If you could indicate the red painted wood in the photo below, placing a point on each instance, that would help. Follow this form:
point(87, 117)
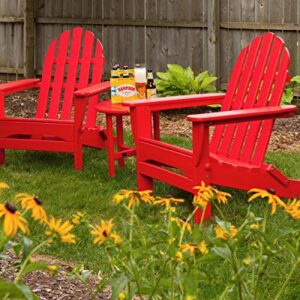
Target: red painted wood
point(73, 65)
point(46, 81)
point(235, 155)
point(76, 55)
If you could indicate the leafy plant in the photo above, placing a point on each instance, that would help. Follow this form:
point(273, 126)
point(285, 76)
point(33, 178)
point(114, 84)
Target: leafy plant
point(182, 81)
point(290, 89)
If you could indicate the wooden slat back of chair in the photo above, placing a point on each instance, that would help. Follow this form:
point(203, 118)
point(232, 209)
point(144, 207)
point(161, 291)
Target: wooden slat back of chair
point(258, 79)
point(73, 61)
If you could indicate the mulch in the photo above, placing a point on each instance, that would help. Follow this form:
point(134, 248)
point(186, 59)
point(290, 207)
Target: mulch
point(285, 136)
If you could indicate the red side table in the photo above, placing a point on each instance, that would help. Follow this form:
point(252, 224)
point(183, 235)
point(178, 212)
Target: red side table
point(118, 111)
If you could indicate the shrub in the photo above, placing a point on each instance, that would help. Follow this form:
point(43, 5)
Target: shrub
point(182, 81)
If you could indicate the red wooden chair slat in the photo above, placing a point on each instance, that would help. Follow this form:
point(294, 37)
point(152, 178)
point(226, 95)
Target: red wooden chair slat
point(233, 83)
point(46, 81)
point(96, 77)
point(238, 100)
point(59, 74)
point(72, 73)
point(257, 78)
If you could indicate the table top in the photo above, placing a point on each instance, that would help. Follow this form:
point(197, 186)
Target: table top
point(112, 108)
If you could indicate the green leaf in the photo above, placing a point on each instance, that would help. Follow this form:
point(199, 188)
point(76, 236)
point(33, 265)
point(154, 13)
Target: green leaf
point(27, 247)
point(15, 291)
point(287, 96)
point(223, 252)
point(196, 234)
point(164, 76)
point(207, 81)
point(200, 77)
point(118, 284)
point(33, 266)
point(296, 79)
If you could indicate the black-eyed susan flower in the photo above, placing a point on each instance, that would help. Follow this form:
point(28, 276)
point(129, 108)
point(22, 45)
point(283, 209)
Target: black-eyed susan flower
point(203, 195)
point(293, 208)
point(168, 202)
point(182, 224)
point(224, 234)
point(222, 197)
point(103, 232)
point(61, 230)
point(190, 297)
point(12, 220)
point(77, 218)
point(33, 203)
point(192, 248)
point(270, 195)
point(133, 197)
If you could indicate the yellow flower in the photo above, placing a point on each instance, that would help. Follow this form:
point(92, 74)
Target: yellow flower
point(270, 195)
point(202, 247)
point(247, 261)
point(34, 204)
point(222, 197)
point(52, 269)
point(254, 226)
point(13, 220)
point(103, 231)
point(224, 234)
point(122, 296)
point(189, 297)
point(182, 224)
point(60, 229)
point(293, 208)
point(179, 256)
point(77, 218)
point(191, 248)
point(134, 197)
point(204, 195)
point(167, 202)
point(3, 186)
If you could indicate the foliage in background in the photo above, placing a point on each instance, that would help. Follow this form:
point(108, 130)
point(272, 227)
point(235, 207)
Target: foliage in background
point(182, 81)
point(290, 89)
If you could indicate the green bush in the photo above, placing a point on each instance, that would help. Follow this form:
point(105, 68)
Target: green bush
point(182, 81)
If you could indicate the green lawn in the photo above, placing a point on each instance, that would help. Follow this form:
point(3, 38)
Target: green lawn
point(65, 191)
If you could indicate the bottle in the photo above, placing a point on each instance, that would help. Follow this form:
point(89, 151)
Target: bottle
point(125, 72)
point(114, 72)
point(150, 87)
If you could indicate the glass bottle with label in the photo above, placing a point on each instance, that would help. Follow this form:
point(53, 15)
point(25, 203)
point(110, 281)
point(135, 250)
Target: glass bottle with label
point(150, 87)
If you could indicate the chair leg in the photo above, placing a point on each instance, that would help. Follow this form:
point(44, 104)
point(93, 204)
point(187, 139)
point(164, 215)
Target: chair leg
point(144, 182)
point(110, 146)
point(2, 156)
point(202, 215)
point(120, 139)
point(78, 158)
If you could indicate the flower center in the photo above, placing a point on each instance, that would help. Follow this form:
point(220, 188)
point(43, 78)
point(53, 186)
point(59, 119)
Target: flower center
point(38, 201)
point(11, 208)
point(105, 233)
point(271, 191)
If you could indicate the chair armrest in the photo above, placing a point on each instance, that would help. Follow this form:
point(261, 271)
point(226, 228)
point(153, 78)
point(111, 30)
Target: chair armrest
point(93, 90)
point(17, 86)
point(158, 104)
point(244, 115)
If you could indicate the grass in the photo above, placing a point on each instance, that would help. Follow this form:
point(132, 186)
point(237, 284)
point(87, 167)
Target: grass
point(65, 191)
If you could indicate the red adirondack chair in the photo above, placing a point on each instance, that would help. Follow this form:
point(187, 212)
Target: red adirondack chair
point(234, 157)
point(74, 61)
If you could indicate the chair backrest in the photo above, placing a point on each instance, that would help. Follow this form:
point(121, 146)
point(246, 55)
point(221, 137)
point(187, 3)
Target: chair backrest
point(73, 61)
point(258, 79)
